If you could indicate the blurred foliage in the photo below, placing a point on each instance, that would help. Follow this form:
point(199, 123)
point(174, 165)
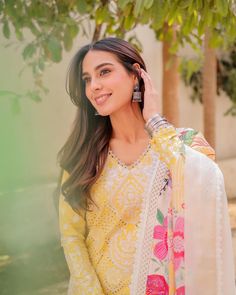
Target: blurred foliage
point(226, 77)
point(54, 24)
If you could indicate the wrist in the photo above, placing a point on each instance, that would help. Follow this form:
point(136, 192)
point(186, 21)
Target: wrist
point(150, 114)
point(154, 123)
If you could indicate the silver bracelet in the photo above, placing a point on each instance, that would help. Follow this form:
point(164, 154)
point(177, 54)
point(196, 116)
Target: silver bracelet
point(154, 123)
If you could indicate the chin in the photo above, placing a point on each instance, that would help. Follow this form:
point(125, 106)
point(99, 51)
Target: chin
point(104, 113)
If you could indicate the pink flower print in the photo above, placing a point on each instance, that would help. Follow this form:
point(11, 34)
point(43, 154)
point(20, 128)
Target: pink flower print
point(180, 291)
point(170, 211)
point(160, 233)
point(156, 285)
point(178, 242)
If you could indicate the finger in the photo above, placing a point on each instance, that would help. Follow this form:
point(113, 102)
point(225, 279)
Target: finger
point(147, 79)
point(145, 75)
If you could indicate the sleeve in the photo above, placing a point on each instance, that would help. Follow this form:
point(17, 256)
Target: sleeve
point(83, 278)
point(166, 142)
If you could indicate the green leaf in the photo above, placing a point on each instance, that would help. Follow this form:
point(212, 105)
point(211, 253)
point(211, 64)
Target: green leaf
point(199, 4)
point(215, 40)
point(184, 4)
point(102, 15)
point(19, 34)
point(81, 6)
point(34, 29)
point(208, 17)
point(222, 7)
point(129, 22)
point(145, 19)
point(231, 111)
point(53, 49)
point(34, 95)
point(159, 216)
point(41, 63)
point(127, 11)
point(191, 66)
point(69, 34)
point(135, 42)
point(74, 30)
point(138, 8)
point(201, 28)
point(29, 51)
point(191, 8)
point(148, 4)
point(6, 30)
point(123, 3)
point(158, 15)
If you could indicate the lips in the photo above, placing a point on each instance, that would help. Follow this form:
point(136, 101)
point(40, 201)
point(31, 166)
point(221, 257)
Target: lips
point(100, 99)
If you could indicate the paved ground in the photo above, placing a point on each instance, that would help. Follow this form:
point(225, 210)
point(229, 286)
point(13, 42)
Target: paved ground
point(40, 271)
point(56, 289)
point(232, 214)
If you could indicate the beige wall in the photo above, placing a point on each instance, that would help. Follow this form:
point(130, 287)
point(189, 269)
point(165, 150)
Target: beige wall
point(41, 128)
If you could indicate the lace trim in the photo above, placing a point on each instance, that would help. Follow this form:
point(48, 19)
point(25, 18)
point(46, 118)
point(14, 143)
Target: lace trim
point(219, 234)
point(145, 231)
point(135, 163)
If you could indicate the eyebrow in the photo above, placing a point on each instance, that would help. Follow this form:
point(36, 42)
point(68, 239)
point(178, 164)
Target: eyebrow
point(98, 67)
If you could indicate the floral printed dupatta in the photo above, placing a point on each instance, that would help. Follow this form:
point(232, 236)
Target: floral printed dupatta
point(184, 240)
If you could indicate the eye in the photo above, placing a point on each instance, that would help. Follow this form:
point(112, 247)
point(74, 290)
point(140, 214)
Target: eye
point(86, 80)
point(104, 72)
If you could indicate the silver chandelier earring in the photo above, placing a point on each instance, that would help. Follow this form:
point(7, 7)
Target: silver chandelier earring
point(96, 113)
point(137, 95)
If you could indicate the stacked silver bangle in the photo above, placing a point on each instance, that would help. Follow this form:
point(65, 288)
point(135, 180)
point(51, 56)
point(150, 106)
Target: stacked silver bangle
point(154, 123)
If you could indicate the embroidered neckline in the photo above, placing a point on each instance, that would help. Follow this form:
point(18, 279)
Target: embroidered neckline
point(135, 163)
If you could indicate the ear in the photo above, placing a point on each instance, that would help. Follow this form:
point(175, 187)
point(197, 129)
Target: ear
point(137, 69)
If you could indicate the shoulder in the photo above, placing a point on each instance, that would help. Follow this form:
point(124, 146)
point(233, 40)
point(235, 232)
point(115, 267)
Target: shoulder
point(196, 141)
point(186, 134)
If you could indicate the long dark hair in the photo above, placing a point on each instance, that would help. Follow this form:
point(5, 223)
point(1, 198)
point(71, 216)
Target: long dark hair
point(84, 154)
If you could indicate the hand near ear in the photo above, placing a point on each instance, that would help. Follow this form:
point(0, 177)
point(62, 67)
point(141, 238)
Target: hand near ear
point(151, 97)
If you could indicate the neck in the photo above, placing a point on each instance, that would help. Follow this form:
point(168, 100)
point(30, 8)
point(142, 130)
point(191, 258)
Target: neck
point(128, 124)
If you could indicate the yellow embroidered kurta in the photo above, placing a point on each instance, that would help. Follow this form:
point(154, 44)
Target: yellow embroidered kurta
point(99, 245)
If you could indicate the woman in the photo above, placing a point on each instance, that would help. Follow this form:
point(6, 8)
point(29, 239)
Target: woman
point(143, 207)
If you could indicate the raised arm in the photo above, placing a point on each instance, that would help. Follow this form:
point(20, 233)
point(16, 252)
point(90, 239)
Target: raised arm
point(168, 141)
point(83, 278)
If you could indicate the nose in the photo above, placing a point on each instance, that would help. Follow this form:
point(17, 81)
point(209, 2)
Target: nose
point(95, 85)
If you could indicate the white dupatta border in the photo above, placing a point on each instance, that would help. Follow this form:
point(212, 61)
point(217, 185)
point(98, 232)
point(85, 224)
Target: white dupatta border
point(145, 230)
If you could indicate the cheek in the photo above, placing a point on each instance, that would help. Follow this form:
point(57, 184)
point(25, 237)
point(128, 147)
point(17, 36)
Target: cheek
point(88, 94)
point(86, 91)
point(124, 85)
point(126, 89)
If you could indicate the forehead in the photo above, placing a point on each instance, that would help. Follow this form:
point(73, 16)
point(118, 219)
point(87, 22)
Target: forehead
point(95, 57)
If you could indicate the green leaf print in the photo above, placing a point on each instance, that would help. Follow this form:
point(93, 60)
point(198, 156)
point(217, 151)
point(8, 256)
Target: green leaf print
point(188, 136)
point(160, 217)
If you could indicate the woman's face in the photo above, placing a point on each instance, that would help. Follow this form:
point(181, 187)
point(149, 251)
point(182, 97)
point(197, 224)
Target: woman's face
point(108, 85)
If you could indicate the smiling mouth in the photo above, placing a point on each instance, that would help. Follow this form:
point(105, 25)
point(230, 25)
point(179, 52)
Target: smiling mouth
point(102, 98)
